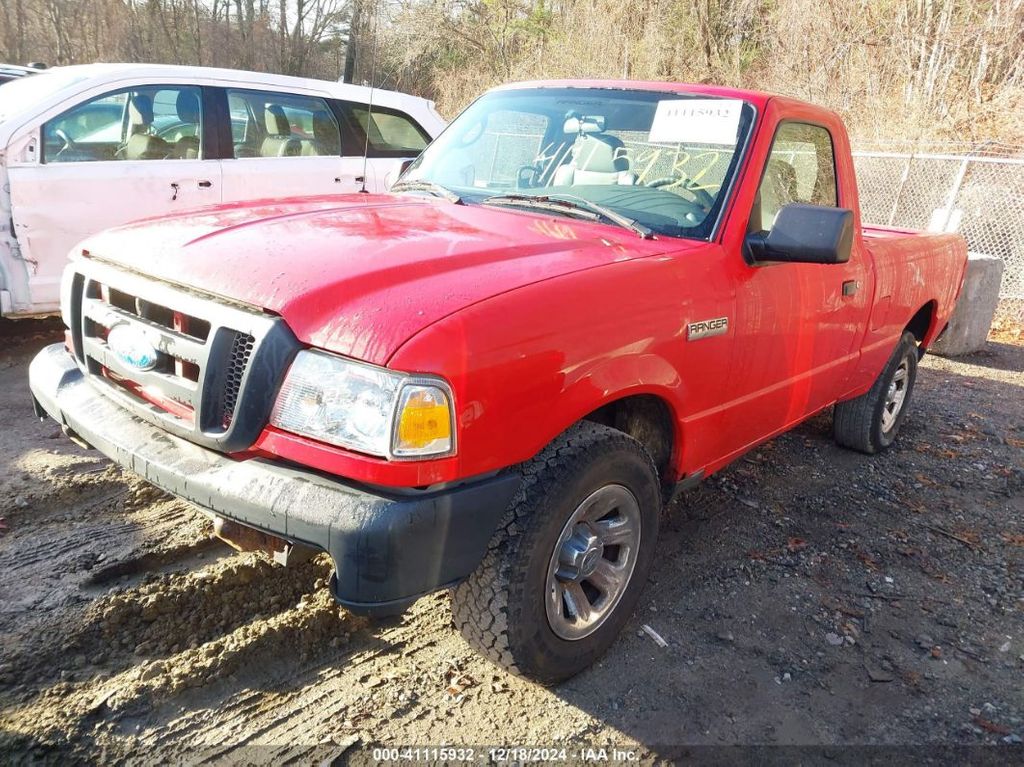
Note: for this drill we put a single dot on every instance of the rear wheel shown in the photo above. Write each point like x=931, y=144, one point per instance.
x=565, y=569
x=871, y=422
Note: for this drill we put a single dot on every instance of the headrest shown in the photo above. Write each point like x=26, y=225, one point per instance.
x=187, y=106
x=599, y=154
x=277, y=123
x=141, y=111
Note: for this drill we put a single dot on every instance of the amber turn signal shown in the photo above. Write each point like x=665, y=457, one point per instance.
x=424, y=422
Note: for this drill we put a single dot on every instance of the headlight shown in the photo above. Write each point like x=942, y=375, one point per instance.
x=365, y=408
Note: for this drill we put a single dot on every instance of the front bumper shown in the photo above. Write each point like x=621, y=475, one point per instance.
x=388, y=548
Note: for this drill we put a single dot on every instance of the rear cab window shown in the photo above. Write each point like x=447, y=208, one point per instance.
x=268, y=124
x=510, y=140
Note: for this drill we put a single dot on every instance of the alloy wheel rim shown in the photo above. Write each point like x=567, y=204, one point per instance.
x=593, y=562
x=895, y=396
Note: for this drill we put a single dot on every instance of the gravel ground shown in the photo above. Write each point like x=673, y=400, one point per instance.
x=807, y=595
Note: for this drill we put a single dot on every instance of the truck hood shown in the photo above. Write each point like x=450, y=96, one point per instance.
x=360, y=274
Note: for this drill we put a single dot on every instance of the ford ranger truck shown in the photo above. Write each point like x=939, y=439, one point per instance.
x=580, y=299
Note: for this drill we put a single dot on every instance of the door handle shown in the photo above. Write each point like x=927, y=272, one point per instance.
x=205, y=184
x=850, y=287
x=174, y=196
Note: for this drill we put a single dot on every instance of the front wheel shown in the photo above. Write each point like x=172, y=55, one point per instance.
x=566, y=567
x=871, y=422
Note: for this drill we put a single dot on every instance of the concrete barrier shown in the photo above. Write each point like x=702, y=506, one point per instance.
x=968, y=328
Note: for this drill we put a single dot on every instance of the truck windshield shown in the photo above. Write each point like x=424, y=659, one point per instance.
x=664, y=161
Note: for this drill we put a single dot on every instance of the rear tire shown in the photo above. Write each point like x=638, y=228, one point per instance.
x=586, y=513
x=871, y=422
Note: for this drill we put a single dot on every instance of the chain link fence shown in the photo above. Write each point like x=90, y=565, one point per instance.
x=978, y=194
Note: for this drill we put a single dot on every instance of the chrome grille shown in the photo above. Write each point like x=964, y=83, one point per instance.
x=205, y=354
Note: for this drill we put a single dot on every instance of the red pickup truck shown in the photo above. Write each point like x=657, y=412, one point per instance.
x=581, y=298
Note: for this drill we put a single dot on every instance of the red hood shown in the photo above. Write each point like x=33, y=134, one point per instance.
x=360, y=274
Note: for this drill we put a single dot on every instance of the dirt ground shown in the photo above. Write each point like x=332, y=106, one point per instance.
x=807, y=595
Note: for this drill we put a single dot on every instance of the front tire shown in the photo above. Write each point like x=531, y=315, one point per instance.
x=871, y=422
x=566, y=566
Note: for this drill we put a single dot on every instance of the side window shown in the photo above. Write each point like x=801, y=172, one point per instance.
x=390, y=130
x=149, y=123
x=801, y=168
x=266, y=124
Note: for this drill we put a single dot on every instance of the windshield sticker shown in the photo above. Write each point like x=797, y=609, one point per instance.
x=696, y=121
x=704, y=169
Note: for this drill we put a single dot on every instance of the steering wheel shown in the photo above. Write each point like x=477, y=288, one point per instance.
x=685, y=184
x=69, y=143
x=666, y=181
x=166, y=133
x=527, y=176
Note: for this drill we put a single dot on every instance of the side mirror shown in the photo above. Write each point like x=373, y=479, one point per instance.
x=805, y=234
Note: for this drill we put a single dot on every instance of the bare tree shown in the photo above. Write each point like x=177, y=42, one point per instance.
x=893, y=67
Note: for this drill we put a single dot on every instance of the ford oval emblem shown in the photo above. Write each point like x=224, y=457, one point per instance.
x=131, y=347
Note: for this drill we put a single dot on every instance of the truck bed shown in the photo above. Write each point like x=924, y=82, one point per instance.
x=912, y=270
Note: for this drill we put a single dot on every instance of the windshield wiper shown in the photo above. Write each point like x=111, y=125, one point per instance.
x=562, y=203
x=430, y=187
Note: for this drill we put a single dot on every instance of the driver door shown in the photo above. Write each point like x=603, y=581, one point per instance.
x=797, y=324
x=108, y=161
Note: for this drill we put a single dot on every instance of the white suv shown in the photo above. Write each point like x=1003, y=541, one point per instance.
x=85, y=148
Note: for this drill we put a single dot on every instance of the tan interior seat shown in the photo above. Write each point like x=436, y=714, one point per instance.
x=326, y=141
x=597, y=159
x=279, y=141
x=142, y=145
x=187, y=107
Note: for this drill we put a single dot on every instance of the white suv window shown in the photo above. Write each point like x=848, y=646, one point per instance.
x=147, y=123
x=390, y=130
x=266, y=124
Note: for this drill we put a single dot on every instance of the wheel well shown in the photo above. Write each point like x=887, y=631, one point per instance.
x=647, y=419
x=921, y=322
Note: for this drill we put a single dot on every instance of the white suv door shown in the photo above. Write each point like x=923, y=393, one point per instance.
x=286, y=145
x=109, y=160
